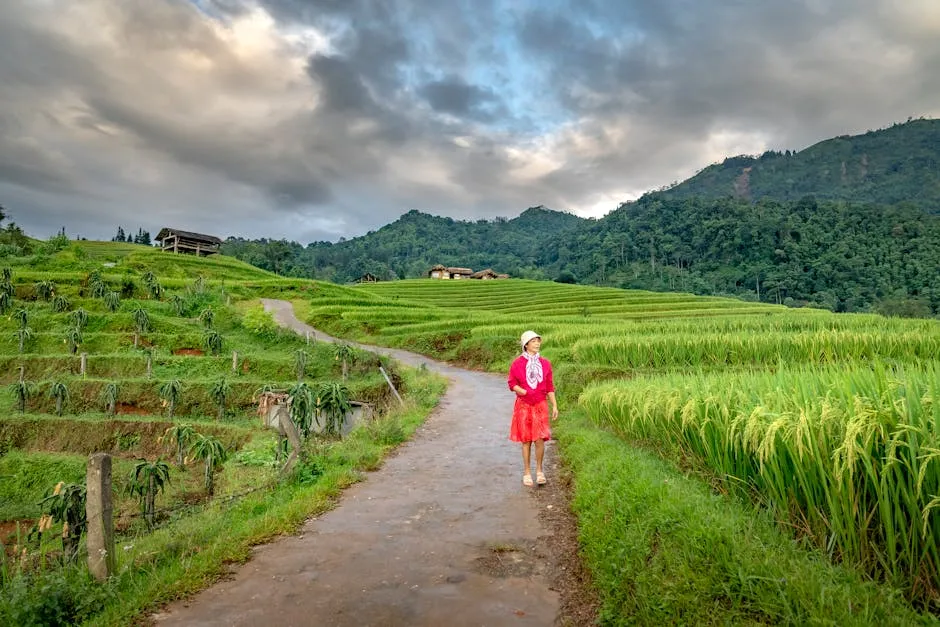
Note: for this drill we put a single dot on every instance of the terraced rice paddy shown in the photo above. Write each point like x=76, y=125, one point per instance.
x=832, y=422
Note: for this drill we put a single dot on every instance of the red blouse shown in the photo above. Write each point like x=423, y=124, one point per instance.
x=517, y=377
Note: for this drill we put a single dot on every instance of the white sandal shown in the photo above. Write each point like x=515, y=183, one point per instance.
x=527, y=480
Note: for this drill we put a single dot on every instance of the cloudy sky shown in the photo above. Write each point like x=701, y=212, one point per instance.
x=315, y=119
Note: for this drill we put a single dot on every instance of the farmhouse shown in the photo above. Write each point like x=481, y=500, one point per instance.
x=440, y=271
x=174, y=240
x=484, y=274
x=368, y=277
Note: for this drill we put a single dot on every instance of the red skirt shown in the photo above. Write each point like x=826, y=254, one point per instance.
x=529, y=422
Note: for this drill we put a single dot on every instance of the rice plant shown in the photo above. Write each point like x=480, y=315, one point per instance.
x=850, y=457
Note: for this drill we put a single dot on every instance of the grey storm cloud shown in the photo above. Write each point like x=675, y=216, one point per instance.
x=314, y=119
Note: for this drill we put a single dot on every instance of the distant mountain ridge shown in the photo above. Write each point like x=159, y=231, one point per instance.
x=899, y=164
x=775, y=228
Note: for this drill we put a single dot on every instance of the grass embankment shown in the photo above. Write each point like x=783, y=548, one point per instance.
x=678, y=540
x=185, y=327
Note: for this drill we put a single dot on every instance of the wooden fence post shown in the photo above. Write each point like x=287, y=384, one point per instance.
x=98, y=509
x=389, y=381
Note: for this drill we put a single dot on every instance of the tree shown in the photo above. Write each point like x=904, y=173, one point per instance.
x=210, y=450
x=22, y=391
x=23, y=335
x=207, y=316
x=66, y=505
x=343, y=352
x=110, y=393
x=112, y=300
x=333, y=404
x=60, y=392
x=170, y=393
x=302, y=407
x=181, y=435
x=61, y=304
x=213, y=341
x=220, y=392
x=147, y=480
x=79, y=318
x=300, y=363
x=74, y=338
x=119, y=237
x=141, y=323
x=45, y=289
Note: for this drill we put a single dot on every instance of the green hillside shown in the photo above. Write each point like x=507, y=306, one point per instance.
x=899, y=164
x=160, y=360
x=409, y=246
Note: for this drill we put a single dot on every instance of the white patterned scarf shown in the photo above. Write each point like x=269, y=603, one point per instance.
x=533, y=370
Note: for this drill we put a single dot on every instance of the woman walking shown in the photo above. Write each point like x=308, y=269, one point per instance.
x=530, y=377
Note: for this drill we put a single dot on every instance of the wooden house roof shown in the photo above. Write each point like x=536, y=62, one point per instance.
x=198, y=237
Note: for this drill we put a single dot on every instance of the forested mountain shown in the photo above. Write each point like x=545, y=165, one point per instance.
x=894, y=165
x=842, y=256
x=850, y=224
x=409, y=246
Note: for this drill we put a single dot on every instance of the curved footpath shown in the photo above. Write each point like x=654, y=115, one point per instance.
x=443, y=534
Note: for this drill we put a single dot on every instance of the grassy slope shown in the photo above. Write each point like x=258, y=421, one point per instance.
x=192, y=544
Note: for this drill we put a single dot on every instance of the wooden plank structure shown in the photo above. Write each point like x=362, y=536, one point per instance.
x=177, y=241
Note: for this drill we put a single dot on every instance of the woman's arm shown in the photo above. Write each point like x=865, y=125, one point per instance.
x=554, y=402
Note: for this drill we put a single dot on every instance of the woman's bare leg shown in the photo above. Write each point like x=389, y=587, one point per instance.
x=539, y=455
x=526, y=456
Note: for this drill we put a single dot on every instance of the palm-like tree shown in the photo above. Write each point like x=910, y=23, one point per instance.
x=333, y=404
x=179, y=304
x=66, y=504
x=207, y=317
x=147, y=480
x=343, y=352
x=45, y=289
x=22, y=316
x=302, y=407
x=23, y=335
x=60, y=303
x=213, y=341
x=60, y=392
x=141, y=323
x=210, y=450
x=170, y=392
x=22, y=391
x=220, y=392
x=6, y=301
x=112, y=300
x=181, y=435
x=300, y=363
x=110, y=394
x=74, y=339
x=79, y=318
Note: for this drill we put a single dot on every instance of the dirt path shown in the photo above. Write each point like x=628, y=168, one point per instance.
x=443, y=534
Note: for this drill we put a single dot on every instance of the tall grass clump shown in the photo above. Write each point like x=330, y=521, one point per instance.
x=851, y=458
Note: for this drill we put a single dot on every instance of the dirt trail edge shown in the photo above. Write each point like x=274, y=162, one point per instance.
x=443, y=534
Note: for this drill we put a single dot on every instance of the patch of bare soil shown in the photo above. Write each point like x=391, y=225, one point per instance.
x=193, y=352
x=568, y=576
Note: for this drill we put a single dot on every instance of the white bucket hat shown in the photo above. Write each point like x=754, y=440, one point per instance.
x=527, y=337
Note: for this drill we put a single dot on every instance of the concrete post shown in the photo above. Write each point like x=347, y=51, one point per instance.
x=149, y=366
x=84, y=364
x=98, y=508
x=235, y=362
